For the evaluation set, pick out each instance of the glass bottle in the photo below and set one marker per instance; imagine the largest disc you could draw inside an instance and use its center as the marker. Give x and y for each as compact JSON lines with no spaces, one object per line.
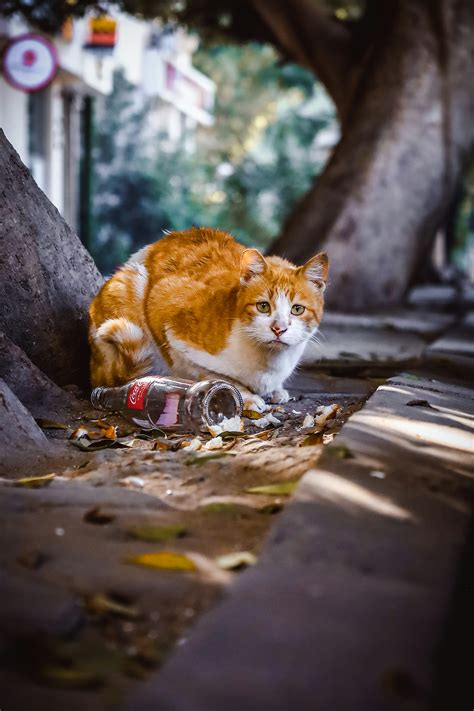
{"x":154,"y":401}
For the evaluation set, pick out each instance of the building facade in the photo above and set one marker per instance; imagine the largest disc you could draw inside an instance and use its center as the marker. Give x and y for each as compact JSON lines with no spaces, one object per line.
{"x":51,"y":129}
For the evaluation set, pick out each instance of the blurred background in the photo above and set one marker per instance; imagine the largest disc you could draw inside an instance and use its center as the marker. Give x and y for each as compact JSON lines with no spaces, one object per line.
{"x":150,"y":126}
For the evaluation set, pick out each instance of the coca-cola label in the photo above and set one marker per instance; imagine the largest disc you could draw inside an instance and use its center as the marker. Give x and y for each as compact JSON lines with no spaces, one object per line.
{"x":137,"y":392}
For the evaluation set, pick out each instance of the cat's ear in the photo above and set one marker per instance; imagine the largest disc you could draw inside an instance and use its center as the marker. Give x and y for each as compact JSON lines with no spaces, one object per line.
{"x":316,"y":270}
{"x":251,"y":265}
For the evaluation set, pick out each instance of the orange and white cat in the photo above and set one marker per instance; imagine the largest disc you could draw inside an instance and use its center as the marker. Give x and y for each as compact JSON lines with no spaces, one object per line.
{"x":199,"y":305}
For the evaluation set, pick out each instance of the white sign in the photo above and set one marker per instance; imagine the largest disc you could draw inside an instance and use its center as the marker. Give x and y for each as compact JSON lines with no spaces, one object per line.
{"x":30,"y":62}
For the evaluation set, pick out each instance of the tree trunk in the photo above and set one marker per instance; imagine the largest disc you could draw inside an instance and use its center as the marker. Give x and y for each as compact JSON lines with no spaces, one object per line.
{"x":47,"y":279}
{"x":406,"y":140}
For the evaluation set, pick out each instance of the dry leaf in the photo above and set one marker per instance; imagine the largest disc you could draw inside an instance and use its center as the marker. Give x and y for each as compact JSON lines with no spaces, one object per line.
{"x":104,"y":605}
{"x":312,"y":440}
{"x":35,"y":482}
{"x":154,"y":534}
{"x":164,"y":560}
{"x":98,"y":516}
{"x":340,"y":452}
{"x":235,"y":561}
{"x":46,"y":424}
{"x":326,"y":413}
{"x":308,"y":421}
{"x":284,"y":488}
{"x":252,"y":414}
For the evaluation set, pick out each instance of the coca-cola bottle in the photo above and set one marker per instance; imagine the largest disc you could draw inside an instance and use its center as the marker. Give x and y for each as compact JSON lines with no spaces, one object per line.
{"x":154,"y":401}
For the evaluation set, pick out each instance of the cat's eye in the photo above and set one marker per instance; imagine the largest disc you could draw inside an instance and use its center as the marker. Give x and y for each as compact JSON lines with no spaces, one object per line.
{"x":263,"y":307}
{"x":297,"y":309}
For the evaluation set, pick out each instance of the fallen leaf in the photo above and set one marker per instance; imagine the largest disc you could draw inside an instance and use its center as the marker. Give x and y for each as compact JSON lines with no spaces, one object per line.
{"x":150,"y":434}
{"x":46,"y":424}
{"x":340,"y":452}
{"x":70,"y":677}
{"x":312,"y":440}
{"x":252,"y":414}
{"x":155,"y":534}
{"x":98,"y":516}
{"x":220,"y":507}
{"x":271,"y":509}
{"x":232,"y":435}
{"x":164,"y":560}
{"x":284,"y":488}
{"x":236,"y":561}
{"x":264,"y":435}
{"x":327,"y":413}
{"x":32,"y":559}
{"x":35,"y":482}
{"x":104,"y":605}
{"x":87,"y":445}
{"x":419,"y":403}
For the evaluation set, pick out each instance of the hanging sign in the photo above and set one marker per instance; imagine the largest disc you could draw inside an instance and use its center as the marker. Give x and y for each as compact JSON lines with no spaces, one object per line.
{"x":30,"y":62}
{"x":102,"y":33}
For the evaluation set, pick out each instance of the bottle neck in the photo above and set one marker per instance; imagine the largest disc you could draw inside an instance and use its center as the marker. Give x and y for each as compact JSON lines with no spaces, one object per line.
{"x":97,"y":398}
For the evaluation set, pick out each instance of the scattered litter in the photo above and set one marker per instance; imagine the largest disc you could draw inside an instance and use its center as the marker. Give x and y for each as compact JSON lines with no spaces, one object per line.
{"x":236,"y":561}
{"x":377,"y":474}
{"x":101,"y":604}
{"x":193,"y":446}
{"x":296,"y":412}
{"x":228,"y":424}
{"x":326,"y":413}
{"x":267,"y":420}
{"x":59,"y":531}
{"x":214,"y":443}
{"x":134,"y":481}
{"x":308,"y":421}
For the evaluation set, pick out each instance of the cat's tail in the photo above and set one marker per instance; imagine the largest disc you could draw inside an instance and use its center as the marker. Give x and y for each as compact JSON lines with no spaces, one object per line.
{"x":121,"y":351}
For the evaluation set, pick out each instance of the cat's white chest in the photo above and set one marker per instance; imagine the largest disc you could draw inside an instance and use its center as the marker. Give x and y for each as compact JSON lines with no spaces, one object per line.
{"x":240,"y":360}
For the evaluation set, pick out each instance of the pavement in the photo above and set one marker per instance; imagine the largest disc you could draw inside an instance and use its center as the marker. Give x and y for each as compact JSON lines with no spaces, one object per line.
{"x":350,"y":603}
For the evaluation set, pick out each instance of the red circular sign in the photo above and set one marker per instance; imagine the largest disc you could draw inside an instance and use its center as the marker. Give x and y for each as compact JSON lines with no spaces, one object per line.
{"x":29,"y":62}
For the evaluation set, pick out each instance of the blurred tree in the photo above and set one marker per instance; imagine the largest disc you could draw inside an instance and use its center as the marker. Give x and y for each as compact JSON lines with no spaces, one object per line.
{"x":242,"y":176}
{"x":399,"y":72}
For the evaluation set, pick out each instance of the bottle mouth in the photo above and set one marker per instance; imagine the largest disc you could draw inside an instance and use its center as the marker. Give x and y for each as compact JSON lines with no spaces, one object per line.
{"x":96,"y":399}
{"x":222,"y":400}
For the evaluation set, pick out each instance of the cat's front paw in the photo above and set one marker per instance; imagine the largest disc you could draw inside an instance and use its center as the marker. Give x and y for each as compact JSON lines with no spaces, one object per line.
{"x":279,"y":396}
{"x":253,"y":402}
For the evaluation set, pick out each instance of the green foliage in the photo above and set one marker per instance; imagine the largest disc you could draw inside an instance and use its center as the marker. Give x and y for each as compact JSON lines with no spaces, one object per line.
{"x":243,"y":174}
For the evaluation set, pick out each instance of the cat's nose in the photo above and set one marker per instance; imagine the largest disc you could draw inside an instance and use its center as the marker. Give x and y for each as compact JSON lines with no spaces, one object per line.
{"x":277,"y":330}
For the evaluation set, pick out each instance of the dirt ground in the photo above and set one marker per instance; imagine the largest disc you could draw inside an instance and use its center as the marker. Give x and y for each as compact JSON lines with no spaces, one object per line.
{"x":146,"y":537}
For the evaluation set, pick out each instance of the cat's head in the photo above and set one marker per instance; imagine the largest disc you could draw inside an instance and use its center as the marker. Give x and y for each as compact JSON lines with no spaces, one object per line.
{"x":281,"y":305}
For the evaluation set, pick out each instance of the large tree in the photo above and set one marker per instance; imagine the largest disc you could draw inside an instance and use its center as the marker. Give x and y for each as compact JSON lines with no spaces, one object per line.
{"x":399,"y":72}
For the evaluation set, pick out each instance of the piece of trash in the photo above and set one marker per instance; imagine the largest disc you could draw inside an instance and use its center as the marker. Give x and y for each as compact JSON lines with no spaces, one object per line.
{"x":296,"y":412}
{"x":377,"y":474}
{"x":164,"y":560}
{"x":326,"y":413}
{"x":307,"y":422}
{"x":59,"y":531}
{"x":214,"y":443}
{"x":35,"y":482}
{"x":134,"y":481}
{"x":284,"y":488}
{"x":267,"y":420}
{"x":227,"y":424}
{"x":193,"y":445}
{"x":155,"y":534}
{"x":235,"y":561}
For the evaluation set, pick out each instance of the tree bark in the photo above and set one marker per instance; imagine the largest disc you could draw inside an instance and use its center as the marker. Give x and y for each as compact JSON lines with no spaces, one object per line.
{"x":47,"y":278}
{"x":406,"y":140}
